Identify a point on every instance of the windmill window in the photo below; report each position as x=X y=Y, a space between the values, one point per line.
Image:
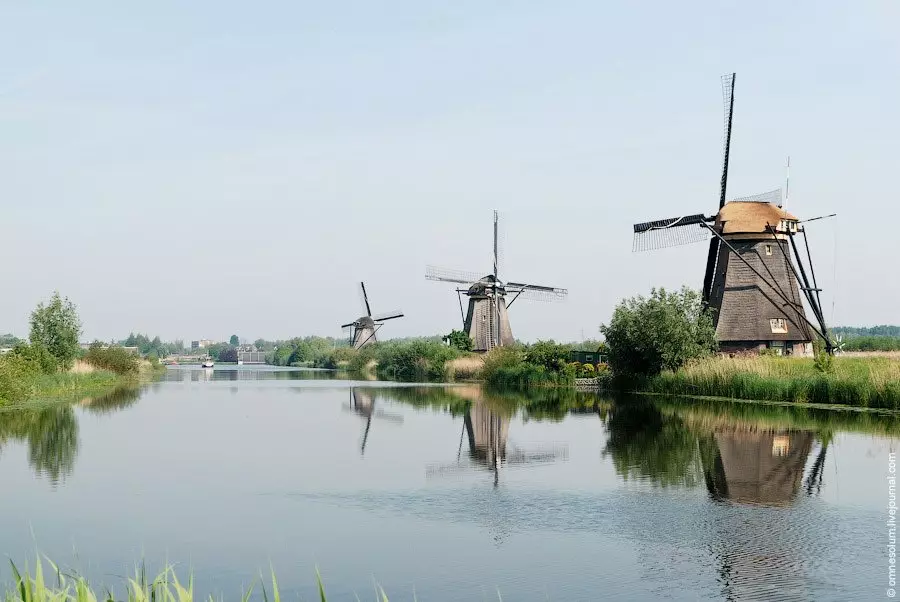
x=781 y=445
x=778 y=325
x=768 y=249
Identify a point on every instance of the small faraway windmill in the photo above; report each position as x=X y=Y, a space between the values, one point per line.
x=487 y=321
x=363 y=329
x=751 y=282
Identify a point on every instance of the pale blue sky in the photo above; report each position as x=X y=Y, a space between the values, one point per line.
x=197 y=169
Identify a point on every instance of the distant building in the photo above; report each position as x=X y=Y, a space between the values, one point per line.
x=5 y=350
x=201 y=344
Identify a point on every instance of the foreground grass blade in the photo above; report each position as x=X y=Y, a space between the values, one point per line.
x=322 y=597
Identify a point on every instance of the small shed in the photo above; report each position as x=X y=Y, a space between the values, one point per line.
x=586 y=357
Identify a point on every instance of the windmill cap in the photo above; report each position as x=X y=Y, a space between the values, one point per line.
x=750 y=218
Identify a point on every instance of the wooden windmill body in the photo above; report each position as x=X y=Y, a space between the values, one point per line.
x=487 y=319
x=748 y=310
x=756 y=281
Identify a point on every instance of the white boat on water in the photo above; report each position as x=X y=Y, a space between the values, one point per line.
x=207 y=363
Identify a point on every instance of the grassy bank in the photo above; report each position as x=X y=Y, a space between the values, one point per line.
x=866 y=382
x=27 y=379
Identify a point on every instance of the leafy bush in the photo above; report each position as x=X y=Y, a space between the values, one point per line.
x=587 y=371
x=38 y=355
x=822 y=360
x=459 y=339
x=361 y=358
x=417 y=359
x=551 y=355
x=662 y=332
x=114 y=359
x=336 y=358
x=16 y=376
x=508 y=367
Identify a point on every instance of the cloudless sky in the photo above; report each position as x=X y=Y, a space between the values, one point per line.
x=199 y=169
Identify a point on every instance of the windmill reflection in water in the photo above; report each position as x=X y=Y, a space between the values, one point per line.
x=764 y=467
x=485 y=430
x=362 y=402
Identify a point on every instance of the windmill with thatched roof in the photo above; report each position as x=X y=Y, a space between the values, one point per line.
x=752 y=283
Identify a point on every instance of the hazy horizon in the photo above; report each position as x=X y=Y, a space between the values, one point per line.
x=204 y=170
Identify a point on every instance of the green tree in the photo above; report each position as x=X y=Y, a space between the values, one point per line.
x=234 y=341
x=662 y=332
x=551 y=355
x=280 y=356
x=228 y=354
x=9 y=340
x=264 y=345
x=57 y=327
x=459 y=339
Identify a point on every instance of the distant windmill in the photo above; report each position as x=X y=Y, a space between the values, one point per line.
x=751 y=282
x=363 y=329
x=487 y=321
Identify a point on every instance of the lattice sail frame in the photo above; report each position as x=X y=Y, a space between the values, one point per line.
x=772 y=196
x=672 y=232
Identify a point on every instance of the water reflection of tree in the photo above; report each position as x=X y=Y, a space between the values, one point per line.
x=645 y=444
x=116 y=400
x=52 y=437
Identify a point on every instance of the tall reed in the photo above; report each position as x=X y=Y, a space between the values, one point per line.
x=864 y=382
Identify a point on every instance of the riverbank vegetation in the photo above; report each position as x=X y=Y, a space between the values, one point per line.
x=666 y=344
x=437 y=358
x=866 y=382
x=52 y=364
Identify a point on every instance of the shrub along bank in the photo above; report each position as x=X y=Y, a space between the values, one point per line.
x=52 y=364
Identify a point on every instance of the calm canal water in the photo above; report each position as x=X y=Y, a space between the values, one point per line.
x=450 y=493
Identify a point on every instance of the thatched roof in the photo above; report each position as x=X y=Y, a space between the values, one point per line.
x=749 y=217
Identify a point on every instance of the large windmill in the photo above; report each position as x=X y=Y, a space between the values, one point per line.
x=751 y=282
x=487 y=321
x=363 y=329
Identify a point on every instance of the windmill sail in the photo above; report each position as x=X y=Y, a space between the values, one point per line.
x=365 y=299
x=771 y=196
x=670 y=232
x=714 y=243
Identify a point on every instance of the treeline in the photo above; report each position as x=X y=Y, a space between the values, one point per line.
x=868 y=331
x=440 y=358
x=310 y=351
x=152 y=348
x=872 y=338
